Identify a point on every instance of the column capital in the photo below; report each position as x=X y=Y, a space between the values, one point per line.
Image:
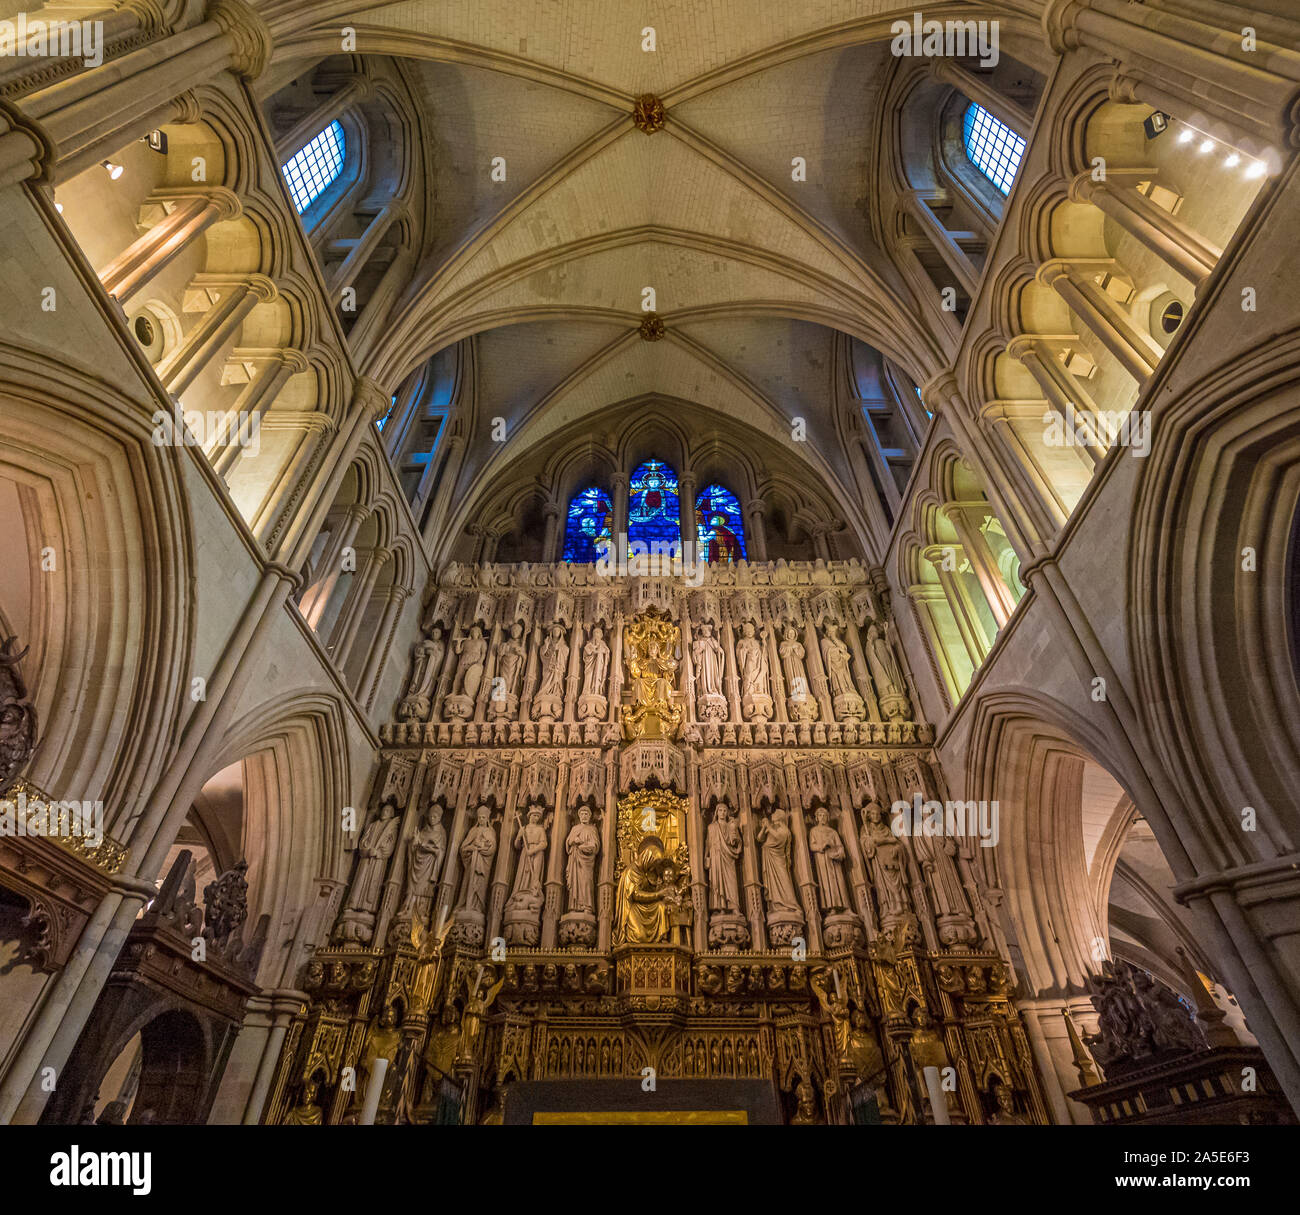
x=226 y=201
x=367 y=395
x=1023 y=344
x=941 y=387
x=249 y=33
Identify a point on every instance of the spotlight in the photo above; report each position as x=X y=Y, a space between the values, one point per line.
x=1207 y=145
x=1185 y=135
x=1256 y=169
x=1156 y=123
x=1232 y=162
x=114 y=171
x=58 y=206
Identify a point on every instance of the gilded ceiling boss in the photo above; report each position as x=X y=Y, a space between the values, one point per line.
x=541 y=586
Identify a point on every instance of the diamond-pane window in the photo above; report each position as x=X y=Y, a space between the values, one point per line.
x=313 y=167
x=993 y=147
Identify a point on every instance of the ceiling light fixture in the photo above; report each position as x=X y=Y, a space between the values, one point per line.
x=1232 y=162
x=1256 y=169
x=1185 y=135
x=114 y=171
x=1207 y=145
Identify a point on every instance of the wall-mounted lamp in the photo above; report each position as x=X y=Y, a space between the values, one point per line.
x=114 y=171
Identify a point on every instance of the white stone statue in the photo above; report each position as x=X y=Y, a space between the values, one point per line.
x=708 y=656
x=884 y=856
x=530 y=840
x=884 y=665
x=751 y=659
x=378 y=841
x=796 y=677
x=828 y=859
x=427 y=658
x=510 y=660
x=555 y=658
x=595 y=663
x=720 y=860
x=424 y=855
x=582 y=846
x=835 y=655
x=774 y=835
x=476 y=852
x=473 y=653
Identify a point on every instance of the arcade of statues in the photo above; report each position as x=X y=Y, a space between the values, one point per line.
x=627 y=824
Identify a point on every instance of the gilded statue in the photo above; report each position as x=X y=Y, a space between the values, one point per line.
x=476 y=1007
x=649 y=890
x=382 y=1042
x=306 y=1112
x=651 y=642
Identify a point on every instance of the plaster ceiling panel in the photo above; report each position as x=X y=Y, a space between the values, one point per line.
x=601 y=40
x=474 y=116
x=623 y=187
x=821 y=108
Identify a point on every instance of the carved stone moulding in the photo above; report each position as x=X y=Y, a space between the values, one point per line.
x=842 y=930
x=17 y=716
x=650 y=762
x=783 y=927
x=578 y=930
x=728 y=930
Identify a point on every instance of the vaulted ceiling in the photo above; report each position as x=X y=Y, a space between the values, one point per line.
x=753 y=272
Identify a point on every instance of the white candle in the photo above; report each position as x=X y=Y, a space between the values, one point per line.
x=373 y=1089
x=938 y=1098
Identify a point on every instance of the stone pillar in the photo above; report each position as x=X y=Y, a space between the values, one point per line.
x=245 y=416
x=369 y=403
x=755 y=512
x=978 y=89
x=352 y=88
x=354 y=608
x=619 y=485
x=1136 y=351
x=315 y=430
x=803 y=874
x=945 y=243
x=608 y=854
x=149 y=836
x=695 y=836
x=503 y=867
x=218 y=325
x=193 y=212
x=972 y=634
x=345 y=274
x=551 y=538
x=1187 y=65
x=962 y=517
x=327 y=574
x=86 y=117
x=368 y=684
x=1066 y=397
x=555 y=858
x=433 y=522
x=686 y=490
x=749 y=865
x=1159 y=230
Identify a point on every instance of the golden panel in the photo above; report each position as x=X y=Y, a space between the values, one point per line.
x=642 y=1118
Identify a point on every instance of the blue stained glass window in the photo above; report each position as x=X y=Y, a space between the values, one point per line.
x=653 y=513
x=719 y=525
x=993 y=147
x=591 y=520
x=313 y=167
